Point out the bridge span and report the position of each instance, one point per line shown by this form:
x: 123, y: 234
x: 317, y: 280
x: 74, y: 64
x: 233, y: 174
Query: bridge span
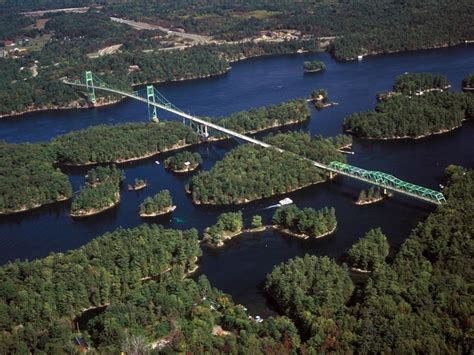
x: 383, y: 180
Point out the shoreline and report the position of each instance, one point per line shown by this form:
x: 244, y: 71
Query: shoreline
x: 146, y: 82
x: 137, y: 188
x: 35, y: 206
x: 235, y: 234
x: 443, y: 131
x: 87, y: 213
x: 381, y: 52
x: 246, y: 200
x: 159, y: 213
x: 127, y: 160
x: 303, y: 235
x: 72, y: 106
x: 181, y: 146
x: 185, y: 170
x: 230, y: 61
x: 369, y: 201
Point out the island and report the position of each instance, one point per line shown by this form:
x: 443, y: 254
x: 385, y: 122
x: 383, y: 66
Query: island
x: 29, y: 179
x: 134, y: 141
x: 417, y: 116
x: 138, y: 184
x: 250, y: 172
x: 293, y: 111
x: 183, y: 162
x: 120, y: 143
x: 229, y: 225
x: 468, y: 83
x: 101, y: 174
x: 305, y: 223
x: 92, y: 200
x: 319, y: 99
x: 372, y: 195
x: 369, y: 252
x: 314, y: 66
x: 158, y: 205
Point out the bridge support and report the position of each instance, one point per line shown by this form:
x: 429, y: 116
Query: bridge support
x: 150, y: 97
x: 331, y: 175
x: 90, y: 87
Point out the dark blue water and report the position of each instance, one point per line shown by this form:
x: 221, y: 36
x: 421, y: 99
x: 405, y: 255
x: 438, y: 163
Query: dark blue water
x: 240, y: 267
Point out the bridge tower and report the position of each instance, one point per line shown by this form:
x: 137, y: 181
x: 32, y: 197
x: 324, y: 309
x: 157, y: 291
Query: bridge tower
x: 90, y: 87
x: 150, y: 97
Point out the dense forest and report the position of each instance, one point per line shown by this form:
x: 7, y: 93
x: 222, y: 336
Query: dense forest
x: 313, y: 291
x: 412, y: 117
x: 101, y: 174
x: 384, y: 25
x: 249, y: 172
x: 306, y: 222
x: 416, y: 83
x: 112, y: 143
x: 370, y: 251
x: 161, y: 203
x: 421, y: 298
x: 94, y: 199
x: 69, y: 43
x: 257, y: 119
x: 183, y: 161
x: 227, y: 225
x: 419, y: 303
x: 106, y: 144
x: 28, y: 178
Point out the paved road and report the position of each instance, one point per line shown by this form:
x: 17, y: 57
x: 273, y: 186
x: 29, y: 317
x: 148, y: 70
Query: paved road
x: 147, y: 26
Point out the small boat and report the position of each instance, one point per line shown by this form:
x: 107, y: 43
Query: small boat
x: 286, y: 201
x: 359, y: 57
x: 157, y: 162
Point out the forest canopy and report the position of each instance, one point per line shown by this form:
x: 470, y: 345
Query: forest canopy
x: 28, y: 178
x: 412, y: 117
x: 249, y: 172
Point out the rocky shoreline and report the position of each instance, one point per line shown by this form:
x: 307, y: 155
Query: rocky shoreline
x: 303, y: 235
x: 442, y: 131
x: 35, y: 206
x: 94, y: 211
x: 158, y: 213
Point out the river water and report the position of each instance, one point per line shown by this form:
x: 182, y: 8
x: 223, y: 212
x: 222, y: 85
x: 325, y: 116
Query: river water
x: 240, y: 267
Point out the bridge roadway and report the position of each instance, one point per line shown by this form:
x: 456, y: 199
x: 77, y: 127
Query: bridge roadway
x: 246, y: 138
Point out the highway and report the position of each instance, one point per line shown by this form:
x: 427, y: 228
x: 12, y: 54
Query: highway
x: 146, y: 26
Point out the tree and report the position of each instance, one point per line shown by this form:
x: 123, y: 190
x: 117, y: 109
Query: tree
x: 256, y: 221
x: 370, y: 251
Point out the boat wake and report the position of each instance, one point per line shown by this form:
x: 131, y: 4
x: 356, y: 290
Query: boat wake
x: 272, y: 206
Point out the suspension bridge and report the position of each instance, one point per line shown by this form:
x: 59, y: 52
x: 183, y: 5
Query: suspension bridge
x: 155, y: 100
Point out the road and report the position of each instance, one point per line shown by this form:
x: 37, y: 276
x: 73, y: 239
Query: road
x: 147, y: 26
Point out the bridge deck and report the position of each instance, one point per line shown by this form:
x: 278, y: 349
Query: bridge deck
x: 255, y: 141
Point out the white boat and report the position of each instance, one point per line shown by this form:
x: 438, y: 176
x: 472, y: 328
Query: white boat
x: 286, y: 201
x: 359, y: 57
x: 157, y: 162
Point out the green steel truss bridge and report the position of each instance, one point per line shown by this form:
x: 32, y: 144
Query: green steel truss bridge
x: 155, y: 100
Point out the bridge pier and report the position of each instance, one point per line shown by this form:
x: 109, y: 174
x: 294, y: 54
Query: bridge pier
x: 90, y: 87
x: 150, y: 98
